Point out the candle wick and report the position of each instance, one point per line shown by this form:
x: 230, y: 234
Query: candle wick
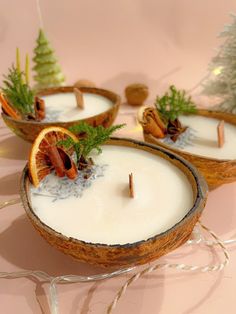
x: 221, y: 133
x: 131, y: 185
x: 40, y: 17
x: 79, y: 98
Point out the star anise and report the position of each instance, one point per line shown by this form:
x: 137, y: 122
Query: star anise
x: 175, y: 128
x: 85, y: 163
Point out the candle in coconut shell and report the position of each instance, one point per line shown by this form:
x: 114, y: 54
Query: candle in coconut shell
x: 27, y: 114
x: 182, y: 128
x: 203, y: 137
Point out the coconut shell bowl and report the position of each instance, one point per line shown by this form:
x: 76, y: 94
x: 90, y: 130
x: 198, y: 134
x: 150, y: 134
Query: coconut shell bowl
x: 216, y: 171
x: 116, y: 256
x: 29, y: 129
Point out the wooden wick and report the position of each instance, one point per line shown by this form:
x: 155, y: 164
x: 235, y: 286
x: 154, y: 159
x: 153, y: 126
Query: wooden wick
x: 221, y: 133
x: 131, y: 185
x: 79, y: 98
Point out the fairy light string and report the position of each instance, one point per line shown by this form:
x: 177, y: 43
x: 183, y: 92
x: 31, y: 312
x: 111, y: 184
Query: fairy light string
x: 181, y: 267
x: 9, y: 202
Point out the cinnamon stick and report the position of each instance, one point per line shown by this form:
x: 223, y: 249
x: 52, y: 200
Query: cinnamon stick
x: 221, y: 133
x: 79, y: 98
x: 39, y: 108
x: 71, y: 170
x: 56, y: 160
x: 131, y: 185
x: 62, y: 162
x: 158, y: 119
x: 152, y: 123
x: 8, y: 109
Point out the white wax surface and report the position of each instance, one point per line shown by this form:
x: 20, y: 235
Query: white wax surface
x: 206, y: 143
x: 64, y: 107
x: 106, y: 214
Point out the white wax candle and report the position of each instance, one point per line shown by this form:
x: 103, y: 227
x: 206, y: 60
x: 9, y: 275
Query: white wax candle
x: 63, y: 106
x: 206, y: 143
x: 106, y: 214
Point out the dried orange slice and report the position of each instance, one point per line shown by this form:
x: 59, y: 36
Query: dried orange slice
x: 44, y: 150
x: 8, y: 109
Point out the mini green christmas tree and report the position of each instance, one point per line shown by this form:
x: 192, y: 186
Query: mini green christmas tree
x: 222, y: 82
x: 48, y: 72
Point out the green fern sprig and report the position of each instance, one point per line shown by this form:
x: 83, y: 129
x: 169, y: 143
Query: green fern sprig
x: 18, y: 93
x: 16, y: 87
x: 90, y: 138
x: 174, y: 103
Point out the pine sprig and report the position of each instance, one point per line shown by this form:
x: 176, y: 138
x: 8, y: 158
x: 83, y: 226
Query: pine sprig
x: 90, y: 138
x: 174, y: 103
x: 17, y: 91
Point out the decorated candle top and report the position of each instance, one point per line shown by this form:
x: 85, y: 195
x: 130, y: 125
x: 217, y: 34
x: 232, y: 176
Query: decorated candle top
x: 105, y: 213
x: 203, y: 139
x: 63, y: 106
x: 175, y: 122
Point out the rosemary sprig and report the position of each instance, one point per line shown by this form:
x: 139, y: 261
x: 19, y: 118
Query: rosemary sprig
x: 17, y: 91
x: 174, y: 103
x: 90, y: 138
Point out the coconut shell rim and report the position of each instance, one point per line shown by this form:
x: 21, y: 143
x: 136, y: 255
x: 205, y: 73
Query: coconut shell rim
x: 198, y: 204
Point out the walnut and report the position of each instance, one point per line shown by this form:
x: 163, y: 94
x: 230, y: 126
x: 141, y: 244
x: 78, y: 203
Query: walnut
x: 136, y: 94
x: 84, y: 83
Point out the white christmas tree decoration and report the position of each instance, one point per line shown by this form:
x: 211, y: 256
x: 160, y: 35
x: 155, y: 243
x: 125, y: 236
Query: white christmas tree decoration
x: 222, y: 81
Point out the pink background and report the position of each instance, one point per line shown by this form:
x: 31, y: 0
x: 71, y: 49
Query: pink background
x: 114, y: 43
x: 117, y: 42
